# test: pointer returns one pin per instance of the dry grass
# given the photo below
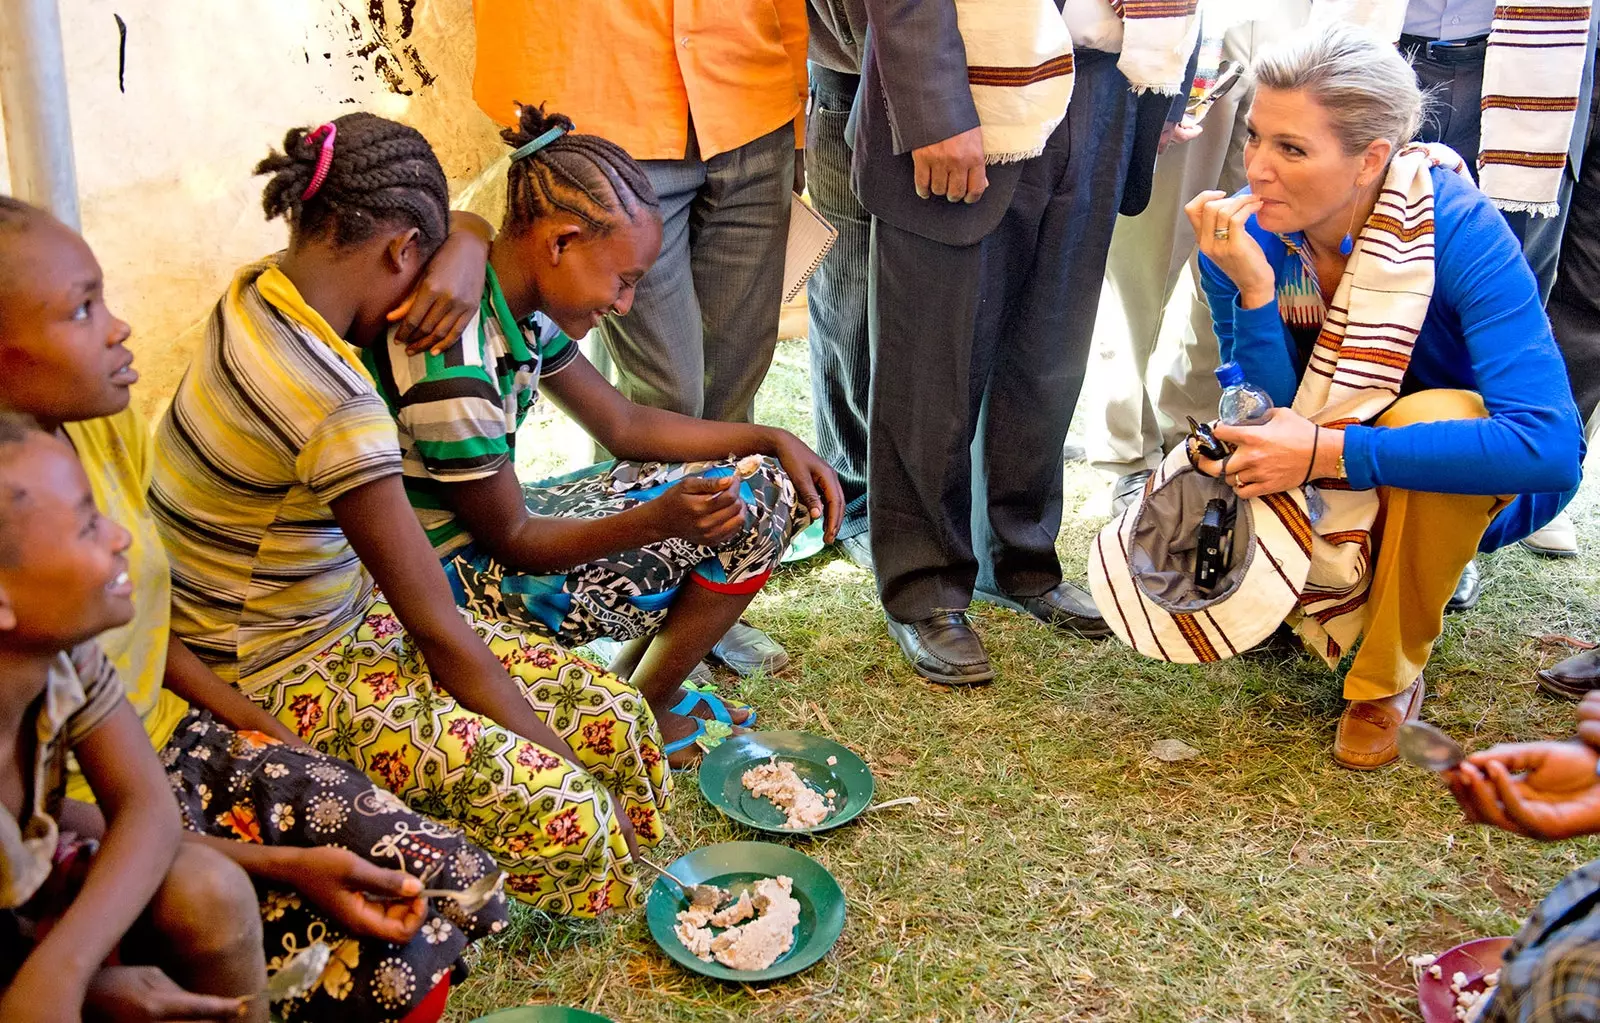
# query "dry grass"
(1055, 870)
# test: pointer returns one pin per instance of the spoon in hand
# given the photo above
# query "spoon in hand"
(472, 898)
(298, 975)
(1426, 746)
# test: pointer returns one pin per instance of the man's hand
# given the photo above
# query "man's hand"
(143, 994)
(953, 168)
(1544, 790)
(1179, 132)
(345, 886)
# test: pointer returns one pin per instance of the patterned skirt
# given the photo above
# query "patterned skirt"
(368, 698)
(249, 787)
(627, 595)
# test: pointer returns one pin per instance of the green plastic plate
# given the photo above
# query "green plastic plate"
(736, 866)
(541, 1014)
(723, 768)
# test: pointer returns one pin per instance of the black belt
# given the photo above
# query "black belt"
(1446, 51)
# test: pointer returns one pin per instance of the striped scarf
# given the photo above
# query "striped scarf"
(1531, 78)
(1354, 373)
(1019, 63)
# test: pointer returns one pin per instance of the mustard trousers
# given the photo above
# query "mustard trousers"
(1423, 542)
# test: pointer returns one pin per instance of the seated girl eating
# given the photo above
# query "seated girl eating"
(603, 552)
(277, 493)
(64, 362)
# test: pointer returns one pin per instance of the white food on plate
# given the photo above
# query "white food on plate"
(752, 945)
(802, 805)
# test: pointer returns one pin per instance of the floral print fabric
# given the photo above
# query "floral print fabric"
(248, 787)
(369, 699)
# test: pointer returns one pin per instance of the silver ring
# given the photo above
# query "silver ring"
(1220, 234)
(1237, 483)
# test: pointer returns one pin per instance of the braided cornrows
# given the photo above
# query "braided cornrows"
(582, 176)
(382, 171)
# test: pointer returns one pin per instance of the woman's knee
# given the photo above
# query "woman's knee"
(1432, 406)
(207, 905)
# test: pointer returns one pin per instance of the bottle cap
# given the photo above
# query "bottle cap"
(1229, 374)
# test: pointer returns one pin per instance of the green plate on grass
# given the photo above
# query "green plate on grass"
(541, 1014)
(737, 866)
(722, 771)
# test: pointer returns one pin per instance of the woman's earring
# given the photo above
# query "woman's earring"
(1347, 244)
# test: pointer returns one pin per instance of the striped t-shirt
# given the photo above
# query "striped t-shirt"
(458, 412)
(275, 419)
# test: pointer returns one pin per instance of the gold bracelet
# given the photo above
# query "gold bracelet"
(1338, 468)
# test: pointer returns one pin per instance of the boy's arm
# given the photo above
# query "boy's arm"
(189, 677)
(141, 840)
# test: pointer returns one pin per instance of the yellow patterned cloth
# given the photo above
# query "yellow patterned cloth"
(367, 697)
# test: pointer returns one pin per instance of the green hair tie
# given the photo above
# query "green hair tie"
(537, 144)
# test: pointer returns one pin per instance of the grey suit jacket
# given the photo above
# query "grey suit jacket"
(914, 92)
(838, 33)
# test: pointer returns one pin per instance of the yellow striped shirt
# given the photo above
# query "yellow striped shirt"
(275, 419)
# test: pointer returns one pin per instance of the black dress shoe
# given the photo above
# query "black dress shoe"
(1127, 489)
(1067, 607)
(944, 649)
(858, 548)
(1574, 678)
(1468, 590)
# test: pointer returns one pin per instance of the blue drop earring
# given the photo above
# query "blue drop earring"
(1347, 244)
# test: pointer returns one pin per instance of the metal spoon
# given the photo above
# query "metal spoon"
(1426, 746)
(697, 894)
(298, 975)
(472, 898)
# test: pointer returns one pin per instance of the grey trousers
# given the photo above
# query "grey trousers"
(1458, 88)
(704, 323)
(836, 297)
(978, 357)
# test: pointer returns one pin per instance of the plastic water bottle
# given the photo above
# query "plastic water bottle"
(1243, 403)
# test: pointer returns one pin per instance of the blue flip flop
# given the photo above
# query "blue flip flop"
(695, 695)
(707, 734)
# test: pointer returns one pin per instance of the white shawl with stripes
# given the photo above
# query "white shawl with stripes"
(1354, 374)
(1531, 79)
(1019, 63)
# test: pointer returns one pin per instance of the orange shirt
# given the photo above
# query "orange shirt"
(634, 71)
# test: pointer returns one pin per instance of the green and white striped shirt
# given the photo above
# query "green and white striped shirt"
(458, 412)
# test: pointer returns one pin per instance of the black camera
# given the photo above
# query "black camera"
(1213, 545)
(1203, 442)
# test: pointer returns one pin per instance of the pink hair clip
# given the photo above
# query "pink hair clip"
(326, 133)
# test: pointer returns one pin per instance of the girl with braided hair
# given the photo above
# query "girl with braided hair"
(300, 573)
(664, 547)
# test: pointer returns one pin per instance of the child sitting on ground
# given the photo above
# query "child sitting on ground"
(335, 858)
(64, 909)
(665, 547)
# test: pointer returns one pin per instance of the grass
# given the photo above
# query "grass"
(1054, 869)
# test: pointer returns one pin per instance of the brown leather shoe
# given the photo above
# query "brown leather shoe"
(1365, 740)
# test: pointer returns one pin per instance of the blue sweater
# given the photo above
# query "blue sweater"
(1485, 331)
